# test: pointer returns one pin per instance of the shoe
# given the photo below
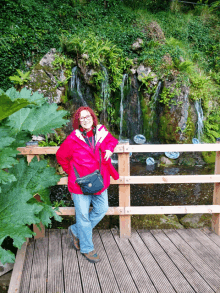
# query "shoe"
(92, 256)
(74, 240)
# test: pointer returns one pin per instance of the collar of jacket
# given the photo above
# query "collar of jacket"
(101, 133)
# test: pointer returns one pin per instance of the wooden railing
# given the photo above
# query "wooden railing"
(125, 210)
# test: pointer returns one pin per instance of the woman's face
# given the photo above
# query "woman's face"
(86, 120)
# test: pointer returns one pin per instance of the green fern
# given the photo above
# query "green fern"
(21, 78)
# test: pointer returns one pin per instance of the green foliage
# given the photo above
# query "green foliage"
(65, 64)
(12, 102)
(167, 96)
(18, 181)
(212, 126)
(21, 78)
(94, 52)
(19, 208)
(55, 142)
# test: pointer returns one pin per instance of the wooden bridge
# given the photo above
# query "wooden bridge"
(131, 260)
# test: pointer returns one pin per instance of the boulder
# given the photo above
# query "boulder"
(155, 32)
(166, 161)
(44, 78)
(196, 220)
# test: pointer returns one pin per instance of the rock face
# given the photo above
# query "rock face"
(196, 220)
(45, 79)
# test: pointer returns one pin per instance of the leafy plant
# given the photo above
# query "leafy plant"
(50, 143)
(19, 209)
(19, 181)
(21, 78)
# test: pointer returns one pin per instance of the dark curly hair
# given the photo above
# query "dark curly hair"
(76, 116)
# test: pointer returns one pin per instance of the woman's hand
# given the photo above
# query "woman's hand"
(108, 154)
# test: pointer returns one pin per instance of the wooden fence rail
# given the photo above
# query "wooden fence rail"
(125, 210)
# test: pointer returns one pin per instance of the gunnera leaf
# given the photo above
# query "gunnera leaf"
(38, 120)
(17, 209)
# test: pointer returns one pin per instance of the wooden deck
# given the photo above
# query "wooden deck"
(183, 260)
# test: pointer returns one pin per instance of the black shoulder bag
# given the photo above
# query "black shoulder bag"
(91, 183)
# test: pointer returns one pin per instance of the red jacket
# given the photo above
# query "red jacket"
(75, 151)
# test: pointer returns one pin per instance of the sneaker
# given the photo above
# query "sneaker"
(92, 256)
(74, 240)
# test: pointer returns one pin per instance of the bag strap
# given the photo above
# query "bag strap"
(77, 174)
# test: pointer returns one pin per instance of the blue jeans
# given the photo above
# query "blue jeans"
(85, 220)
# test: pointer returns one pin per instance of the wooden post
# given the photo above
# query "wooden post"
(39, 234)
(216, 195)
(124, 194)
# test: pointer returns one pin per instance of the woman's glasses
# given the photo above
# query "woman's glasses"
(85, 118)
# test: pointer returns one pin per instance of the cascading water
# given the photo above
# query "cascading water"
(75, 81)
(199, 111)
(125, 76)
(105, 90)
(153, 107)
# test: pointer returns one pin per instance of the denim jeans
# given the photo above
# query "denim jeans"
(85, 220)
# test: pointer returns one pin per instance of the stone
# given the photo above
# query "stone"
(44, 78)
(133, 71)
(155, 32)
(166, 161)
(196, 220)
(143, 71)
(38, 138)
(137, 44)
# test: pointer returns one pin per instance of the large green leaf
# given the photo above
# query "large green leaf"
(17, 207)
(5, 135)
(38, 120)
(12, 101)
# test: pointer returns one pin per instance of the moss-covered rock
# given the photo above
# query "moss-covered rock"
(196, 220)
(209, 157)
(155, 222)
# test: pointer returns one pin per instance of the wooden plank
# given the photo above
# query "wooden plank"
(124, 194)
(70, 211)
(169, 179)
(204, 247)
(39, 233)
(121, 272)
(216, 196)
(27, 269)
(214, 237)
(170, 270)
(186, 268)
(89, 277)
(18, 268)
(38, 282)
(146, 148)
(152, 148)
(202, 268)
(72, 279)
(64, 181)
(163, 210)
(106, 276)
(55, 267)
(151, 266)
(137, 271)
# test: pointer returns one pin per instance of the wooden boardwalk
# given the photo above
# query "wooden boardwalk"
(183, 260)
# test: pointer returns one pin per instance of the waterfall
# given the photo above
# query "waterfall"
(125, 76)
(139, 114)
(105, 89)
(199, 111)
(153, 107)
(75, 81)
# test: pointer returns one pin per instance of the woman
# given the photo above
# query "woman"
(81, 150)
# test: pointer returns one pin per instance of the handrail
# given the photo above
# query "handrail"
(125, 210)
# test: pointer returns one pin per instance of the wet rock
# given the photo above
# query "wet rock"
(196, 220)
